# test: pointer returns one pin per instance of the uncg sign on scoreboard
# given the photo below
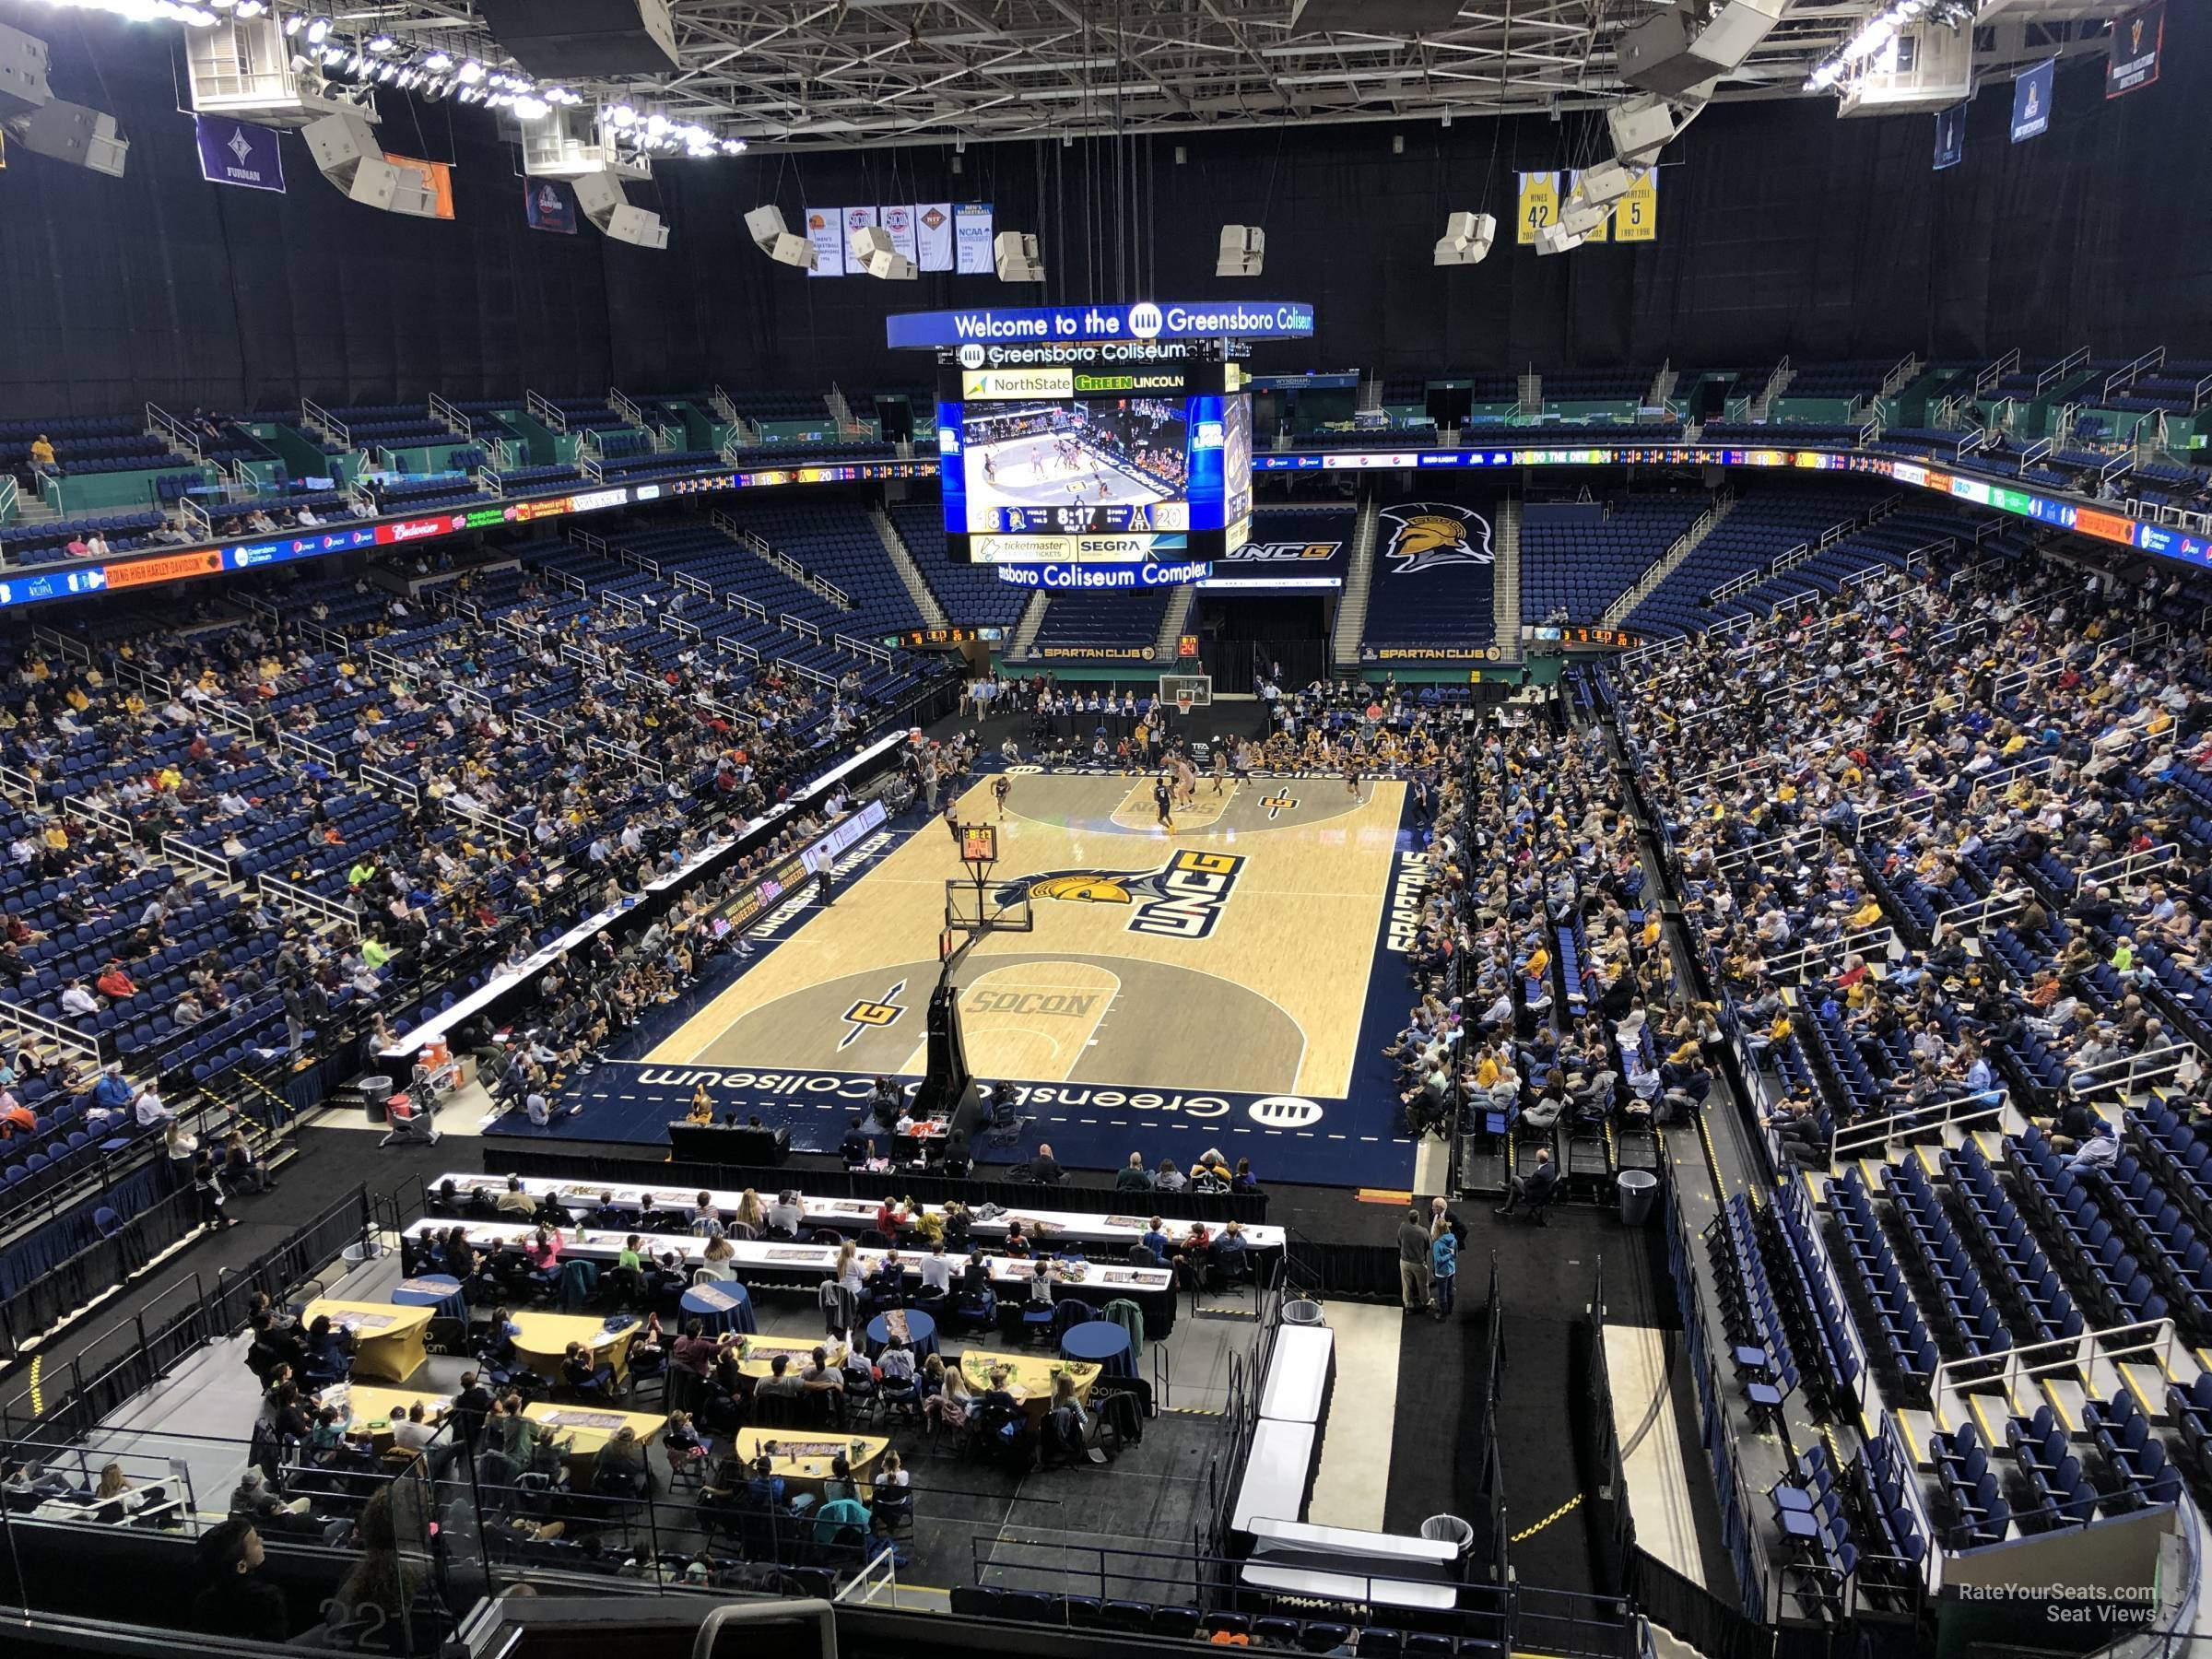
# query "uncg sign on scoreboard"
(1146, 320)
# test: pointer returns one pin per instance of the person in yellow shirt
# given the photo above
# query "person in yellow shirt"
(1539, 964)
(41, 452)
(1868, 915)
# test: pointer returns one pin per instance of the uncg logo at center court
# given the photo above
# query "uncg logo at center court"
(1182, 900)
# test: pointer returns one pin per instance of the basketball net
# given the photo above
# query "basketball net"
(1183, 701)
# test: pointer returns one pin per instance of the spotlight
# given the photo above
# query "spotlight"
(318, 31)
(387, 73)
(437, 63)
(531, 108)
(294, 24)
(621, 116)
(252, 9)
(333, 56)
(471, 73)
(383, 43)
(656, 125)
(733, 146)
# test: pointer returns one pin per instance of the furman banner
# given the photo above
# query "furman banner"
(933, 236)
(238, 152)
(547, 205)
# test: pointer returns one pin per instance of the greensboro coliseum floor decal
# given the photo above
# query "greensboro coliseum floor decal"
(1130, 1018)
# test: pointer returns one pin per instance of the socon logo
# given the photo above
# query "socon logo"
(972, 356)
(1144, 321)
(1284, 1112)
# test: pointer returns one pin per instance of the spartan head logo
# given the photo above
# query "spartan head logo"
(1424, 535)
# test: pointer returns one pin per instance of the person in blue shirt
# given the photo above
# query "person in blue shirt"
(1156, 1239)
(1443, 1268)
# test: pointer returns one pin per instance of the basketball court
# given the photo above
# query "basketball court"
(1169, 992)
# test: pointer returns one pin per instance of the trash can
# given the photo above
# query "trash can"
(1639, 1189)
(376, 1092)
(1303, 1310)
(1452, 1530)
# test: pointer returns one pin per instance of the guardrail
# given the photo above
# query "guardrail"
(402, 789)
(38, 1028)
(18, 783)
(1965, 1113)
(292, 743)
(177, 850)
(1778, 846)
(292, 896)
(744, 606)
(2128, 373)
(315, 415)
(2156, 1341)
(546, 411)
(100, 817)
(453, 417)
(1798, 964)
(875, 654)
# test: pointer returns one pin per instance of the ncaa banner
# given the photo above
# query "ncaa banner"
(971, 238)
(899, 223)
(238, 152)
(1636, 215)
(1539, 206)
(823, 230)
(2031, 101)
(1605, 225)
(856, 218)
(547, 205)
(1950, 136)
(933, 236)
(2137, 39)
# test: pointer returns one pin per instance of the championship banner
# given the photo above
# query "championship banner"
(823, 230)
(1950, 136)
(1636, 215)
(547, 205)
(933, 235)
(971, 238)
(1604, 226)
(437, 178)
(238, 152)
(855, 219)
(2137, 39)
(900, 223)
(1539, 206)
(2031, 100)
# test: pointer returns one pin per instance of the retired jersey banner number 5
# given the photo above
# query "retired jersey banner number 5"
(1636, 215)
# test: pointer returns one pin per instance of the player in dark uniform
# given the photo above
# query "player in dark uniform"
(999, 786)
(952, 820)
(1351, 777)
(1163, 798)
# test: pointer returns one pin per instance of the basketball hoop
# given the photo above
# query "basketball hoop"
(1184, 700)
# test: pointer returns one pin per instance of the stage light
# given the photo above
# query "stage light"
(733, 146)
(333, 56)
(294, 24)
(1883, 27)
(656, 125)
(252, 9)
(471, 73)
(318, 31)
(531, 108)
(388, 73)
(621, 116)
(383, 43)
(437, 63)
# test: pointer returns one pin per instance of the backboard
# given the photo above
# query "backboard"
(987, 906)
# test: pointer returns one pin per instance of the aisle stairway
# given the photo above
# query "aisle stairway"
(1670, 561)
(1025, 630)
(1173, 624)
(1505, 578)
(933, 614)
(1351, 608)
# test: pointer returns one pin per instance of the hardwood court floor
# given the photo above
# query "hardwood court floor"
(1231, 955)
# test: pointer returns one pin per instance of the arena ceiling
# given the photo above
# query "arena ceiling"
(847, 73)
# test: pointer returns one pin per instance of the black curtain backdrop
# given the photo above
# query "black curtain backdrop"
(1782, 229)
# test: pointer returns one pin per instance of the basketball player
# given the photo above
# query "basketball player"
(1163, 798)
(1243, 762)
(1221, 765)
(1351, 778)
(1186, 780)
(999, 786)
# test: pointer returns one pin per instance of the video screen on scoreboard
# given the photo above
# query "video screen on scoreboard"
(1094, 468)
